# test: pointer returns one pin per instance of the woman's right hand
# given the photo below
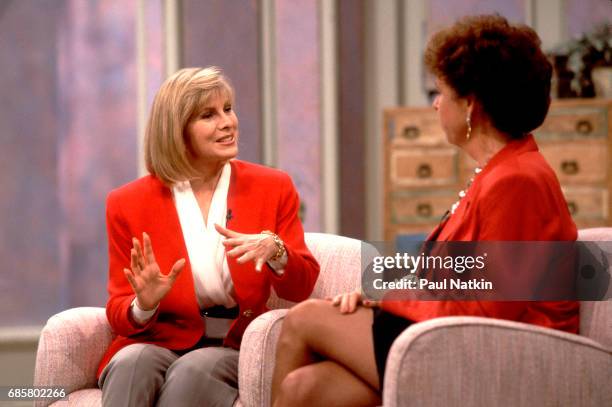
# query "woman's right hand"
(349, 302)
(145, 277)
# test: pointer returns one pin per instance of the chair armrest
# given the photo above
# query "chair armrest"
(257, 357)
(341, 259)
(458, 361)
(70, 348)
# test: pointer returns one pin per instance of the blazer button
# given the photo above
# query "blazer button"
(248, 313)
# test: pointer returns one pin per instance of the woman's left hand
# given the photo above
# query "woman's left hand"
(349, 302)
(258, 247)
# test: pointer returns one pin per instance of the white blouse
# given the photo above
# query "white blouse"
(212, 280)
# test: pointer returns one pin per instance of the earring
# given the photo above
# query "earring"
(468, 121)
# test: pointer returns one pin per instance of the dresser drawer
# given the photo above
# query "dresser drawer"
(575, 163)
(575, 122)
(423, 172)
(419, 167)
(415, 128)
(587, 203)
(420, 207)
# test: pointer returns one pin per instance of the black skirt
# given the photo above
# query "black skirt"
(386, 327)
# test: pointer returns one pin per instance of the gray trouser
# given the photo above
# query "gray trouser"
(148, 375)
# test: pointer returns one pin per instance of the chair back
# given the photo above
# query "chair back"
(340, 261)
(596, 316)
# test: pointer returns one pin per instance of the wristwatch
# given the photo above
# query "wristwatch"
(280, 245)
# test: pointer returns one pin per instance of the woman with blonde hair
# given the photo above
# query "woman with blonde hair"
(194, 249)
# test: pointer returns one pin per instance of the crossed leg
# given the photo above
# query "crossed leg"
(326, 358)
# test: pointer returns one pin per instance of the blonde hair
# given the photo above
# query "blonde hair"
(178, 101)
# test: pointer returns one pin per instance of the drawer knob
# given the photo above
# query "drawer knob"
(424, 171)
(573, 208)
(584, 127)
(569, 167)
(424, 210)
(411, 132)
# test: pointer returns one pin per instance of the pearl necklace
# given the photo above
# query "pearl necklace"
(463, 192)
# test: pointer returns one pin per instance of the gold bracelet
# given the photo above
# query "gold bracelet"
(280, 245)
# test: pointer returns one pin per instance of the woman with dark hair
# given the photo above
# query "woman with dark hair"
(494, 84)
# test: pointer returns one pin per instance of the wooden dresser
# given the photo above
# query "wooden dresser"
(424, 173)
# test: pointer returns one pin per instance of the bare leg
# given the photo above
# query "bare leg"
(325, 384)
(316, 329)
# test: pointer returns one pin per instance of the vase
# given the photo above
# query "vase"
(602, 80)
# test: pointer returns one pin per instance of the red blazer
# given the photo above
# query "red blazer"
(260, 198)
(516, 197)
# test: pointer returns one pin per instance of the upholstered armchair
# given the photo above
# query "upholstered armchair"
(469, 361)
(72, 342)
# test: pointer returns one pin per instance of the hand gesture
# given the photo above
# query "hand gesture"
(258, 247)
(145, 277)
(349, 302)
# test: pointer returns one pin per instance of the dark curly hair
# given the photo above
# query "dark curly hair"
(500, 64)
